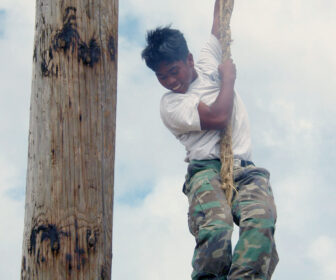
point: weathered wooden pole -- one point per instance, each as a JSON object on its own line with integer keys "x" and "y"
{"x": 69, "y": 192}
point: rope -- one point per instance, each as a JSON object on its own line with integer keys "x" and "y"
{"x": 226, "y": 155}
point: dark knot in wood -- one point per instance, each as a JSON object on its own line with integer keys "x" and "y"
{"x": 89, "y": 54}
{"x": 48, "y": 232}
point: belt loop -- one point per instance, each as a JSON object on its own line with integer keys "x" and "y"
{"x": 241, "y": 162}
{"x": 236, "y": 162}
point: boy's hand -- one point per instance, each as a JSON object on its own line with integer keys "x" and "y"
{"x": 227, "y": 71}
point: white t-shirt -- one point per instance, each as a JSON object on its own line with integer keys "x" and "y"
{"x": 180, "y": 114}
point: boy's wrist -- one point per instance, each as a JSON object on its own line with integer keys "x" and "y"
{"x": 227, "y": 83}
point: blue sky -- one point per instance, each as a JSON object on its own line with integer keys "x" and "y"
{"x": 284, "y": 52}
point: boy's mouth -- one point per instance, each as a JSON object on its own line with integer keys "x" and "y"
{"x": 177, "y": 87}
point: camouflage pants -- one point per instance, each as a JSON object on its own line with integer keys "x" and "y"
{"x": 211, "y": 220}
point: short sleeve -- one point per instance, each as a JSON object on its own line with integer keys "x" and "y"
{"x": 210, "y": 56}
{"x": 179, "y": 112}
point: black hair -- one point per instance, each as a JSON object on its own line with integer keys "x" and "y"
{"x": 164, "y": 44}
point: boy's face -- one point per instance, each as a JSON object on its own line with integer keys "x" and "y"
{"x": 178, "y": 75}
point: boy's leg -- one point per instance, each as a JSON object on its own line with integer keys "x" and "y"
{"x": 253, "y": 209}
{"x": 210, "y": 221}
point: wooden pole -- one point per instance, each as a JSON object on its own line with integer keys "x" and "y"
{"x": 69, "y": 191}
{"x": 225, "y": 9}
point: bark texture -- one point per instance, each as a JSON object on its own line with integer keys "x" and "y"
{"x": 226, "y": 8}
{"x": 69, "y": 191}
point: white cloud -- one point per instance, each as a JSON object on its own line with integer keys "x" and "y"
{"x": 293, "y": 195}
{"x": 15, "y": 79}
{"x": 11, "y": 233}
{"x": 24, "y": 8}
{"x": 11, "y": 217}
{"x": 322, "y": 252}
{"x": 152, "y": 241}
{"x": 286, "y": 125}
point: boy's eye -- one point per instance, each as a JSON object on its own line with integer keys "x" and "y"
{"x": 174, "y": 71}
{"x": 161, "y": 77}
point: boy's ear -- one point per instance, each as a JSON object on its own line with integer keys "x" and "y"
{"x": 190, "y": 60}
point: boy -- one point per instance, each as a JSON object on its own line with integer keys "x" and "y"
{"x": 200, "y": 103}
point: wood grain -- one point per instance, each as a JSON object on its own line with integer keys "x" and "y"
{"x": 69, "y": 190}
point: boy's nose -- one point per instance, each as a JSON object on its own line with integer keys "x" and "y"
{"x": 171, "y": 81}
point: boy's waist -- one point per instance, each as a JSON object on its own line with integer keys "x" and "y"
{"x": 200, "y": 165}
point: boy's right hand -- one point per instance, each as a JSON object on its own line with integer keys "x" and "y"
{"x": 227, "y": 71}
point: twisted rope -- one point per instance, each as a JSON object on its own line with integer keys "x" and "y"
{"x": 226, "y": 154}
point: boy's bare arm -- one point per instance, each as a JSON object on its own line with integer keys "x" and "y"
{"x": 217, "y": 115}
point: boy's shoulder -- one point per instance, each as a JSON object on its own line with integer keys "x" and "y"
{"x": 172, "y": 98}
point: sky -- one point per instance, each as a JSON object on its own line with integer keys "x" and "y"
{"x": 285, "y": 57}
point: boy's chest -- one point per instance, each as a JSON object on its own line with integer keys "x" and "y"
{"x": 207, "y": 90}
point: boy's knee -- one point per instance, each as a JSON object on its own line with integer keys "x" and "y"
{"x": 213, "y": 253}
{"x": 260, "y": 216}
{"x": 215, "y": 231}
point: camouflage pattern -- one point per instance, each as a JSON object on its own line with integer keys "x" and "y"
{"x": 210, "y": 220}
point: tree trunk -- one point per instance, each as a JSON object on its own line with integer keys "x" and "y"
{"x": 69, "y": 192}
